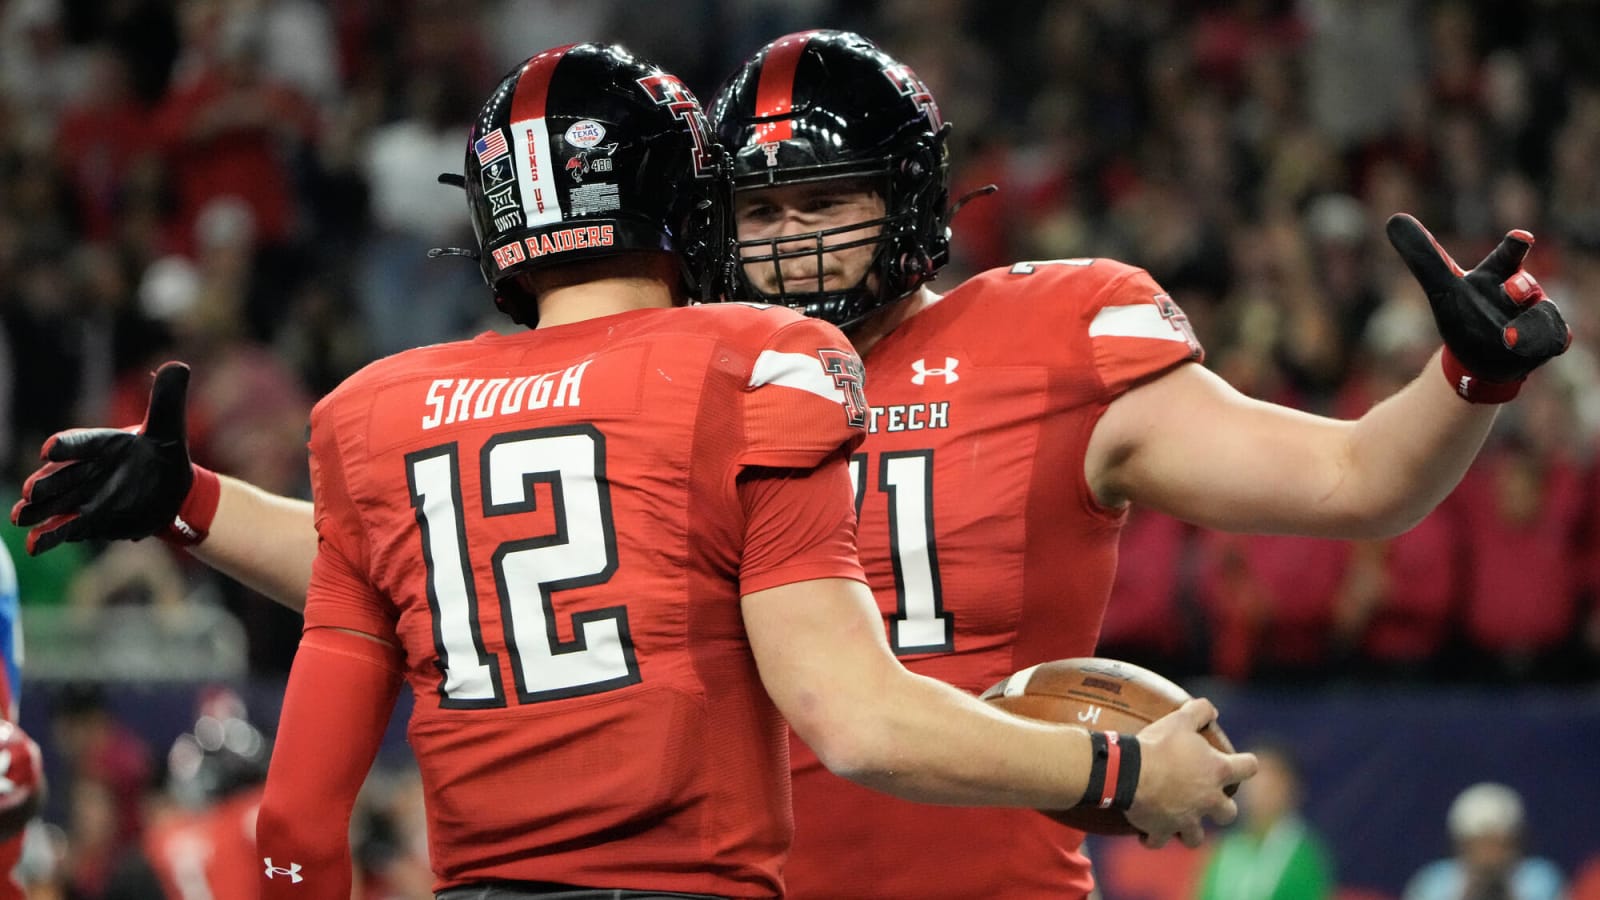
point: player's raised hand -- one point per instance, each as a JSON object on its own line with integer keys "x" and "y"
{"x": 1183, "y": 780}
{"x": 115, "y": 483}
{"x": 1496, "y": 322}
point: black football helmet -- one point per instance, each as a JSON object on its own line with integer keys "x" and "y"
{"x": 824, "y": 105}
{"x": 585, "y": 151}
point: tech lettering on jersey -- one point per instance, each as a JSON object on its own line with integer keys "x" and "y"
{"x": 453, "y": 400}
{"x": 909, "y": 417}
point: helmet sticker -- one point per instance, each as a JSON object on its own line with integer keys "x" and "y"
{"x": 596, "y": 161}
{"x": 497, "y": 174}
{"x": 490, "y": 147}
{"x": 540, "y": 202}
{"x": 585, "y": 133}
{"x": 503, "y": 207}
{"x": 589, "y": 199}
{"x": 909, "y": 85}
{"x": 669, "y": 91}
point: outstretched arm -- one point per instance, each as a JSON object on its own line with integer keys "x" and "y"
{"x": 1189, "y": 444}
{"x": 108, "y": 484}
{"x": 263, "y": 540}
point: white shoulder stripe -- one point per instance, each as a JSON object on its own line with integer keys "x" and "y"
{"x": 1140, "y": 320}
{"x": 794, "y": 370}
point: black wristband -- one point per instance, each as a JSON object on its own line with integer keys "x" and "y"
{"x": 1099, "y": 752}
{"x": 1128, "y": 774}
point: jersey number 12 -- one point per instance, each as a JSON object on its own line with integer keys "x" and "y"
{"x": 581, "y": 551}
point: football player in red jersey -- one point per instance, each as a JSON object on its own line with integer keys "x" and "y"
{"x": 201, "y": 845}
{"x": 1011, "y": 421}
{"x": 1016, "y": 416}
{"x": 606, "y": 553}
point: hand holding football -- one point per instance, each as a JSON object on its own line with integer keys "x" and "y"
{"x": 1100, "y": 695}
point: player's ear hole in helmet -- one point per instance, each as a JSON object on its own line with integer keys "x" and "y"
{"x": 584, "y": 152}
{"x": 830, "y": 107}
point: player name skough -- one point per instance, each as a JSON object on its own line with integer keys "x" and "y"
{"x": 910, "y": 417}
{"x": 452, "y": 400}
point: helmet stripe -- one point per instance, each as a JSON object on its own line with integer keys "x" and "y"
{"x": 533, "y": 85}
{"x": 541, "y": 200}
{"x": 775, "y": 91}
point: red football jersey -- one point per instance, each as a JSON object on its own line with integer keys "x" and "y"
{"x": 550, "y": 524}
{"x": 985, "y": 548}
{"x": 209, "y": 854}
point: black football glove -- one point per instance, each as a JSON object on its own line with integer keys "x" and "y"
{"x": 1496, "y": 322}
{"x": 110, "y": 484}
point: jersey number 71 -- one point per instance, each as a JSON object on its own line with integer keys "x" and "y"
{"x": 920, "y": 624}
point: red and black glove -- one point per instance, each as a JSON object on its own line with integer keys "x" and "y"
{"x": 109, "y": 484}
{"x": 1496, "y": 322}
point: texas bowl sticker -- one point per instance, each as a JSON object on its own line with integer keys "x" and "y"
{"x": 585, "y": 133}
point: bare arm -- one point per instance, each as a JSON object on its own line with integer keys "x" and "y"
{"x": 824, "y": 660}
{"x": 263, "y": 540}
{"x": 1188, "y": 444}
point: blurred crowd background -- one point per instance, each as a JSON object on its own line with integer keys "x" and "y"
{"x": 249, "y": 185}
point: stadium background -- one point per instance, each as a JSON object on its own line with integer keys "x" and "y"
{"x": 249, "y": 185}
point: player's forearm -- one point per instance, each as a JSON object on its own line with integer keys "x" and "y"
{"x": 263, "y": 540}
{"x": 932, "y": 743}
{"x": 1410, "y": 451}
{"x": 342, "y": 684}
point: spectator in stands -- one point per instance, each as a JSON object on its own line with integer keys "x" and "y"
{"x": 200, "y": 842}
{"x": 1524, "y": 508}
{"x": 1272, "y": 853}
{"x": 228, "y": 129}
{"x": 1490, "y": 862}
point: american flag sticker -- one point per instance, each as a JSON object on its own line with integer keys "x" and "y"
{"x": 490, "y": 147}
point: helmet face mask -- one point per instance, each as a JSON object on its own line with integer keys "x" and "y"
{"x": 584, "y": 152}
{"x": 831, "y": 108}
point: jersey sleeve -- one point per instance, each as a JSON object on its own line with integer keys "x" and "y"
{"x": 800, "y": 524}
{"x": 805, "y": 398}
{"x": 340, "y": 595}
{"x": 1136, "y": 332}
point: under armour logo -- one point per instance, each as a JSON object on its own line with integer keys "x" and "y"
{"x": 948, "y": 372}
{"x": 292, "y": 870}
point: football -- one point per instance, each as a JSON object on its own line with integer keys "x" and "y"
{"x": 1100, "y": 695}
